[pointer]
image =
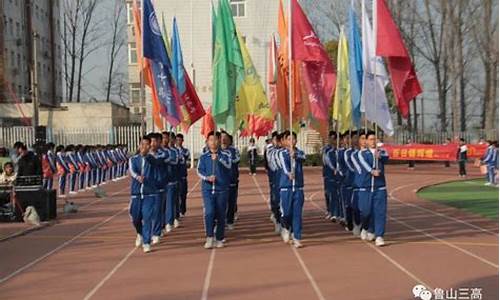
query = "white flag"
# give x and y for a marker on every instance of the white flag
(373, 98)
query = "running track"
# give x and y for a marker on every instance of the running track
(90, 255)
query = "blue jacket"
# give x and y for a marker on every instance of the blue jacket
(183, 159)
(329, 164)
(235, 161)
(490, 156)
(166, 162)
(325, 149)
(143, 166)
(366, 162)
(285, 164)
(349, 169)
(220, 168)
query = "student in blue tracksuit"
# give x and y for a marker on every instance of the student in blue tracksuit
(273, 174)
(330, 161)
(144, 194)
(226, 146)
(177, 177)
(291, 189)
(356, 141)
(185, 157)
(159, 162)
(91, 165)
(324, 152)
(51, 157)
(346, 188)
(79, 155)
(373, 191)
(62, 170)
(73, 166)
(214, 169)
(489, 160)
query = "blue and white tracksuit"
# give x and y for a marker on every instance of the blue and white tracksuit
(61, 160)
(324, 150)
(274, 177)
(332, 183)
(346, 187)
(144, 196)
(215, 195)
(73, 176)
(373, 192)
(183, 183)
(356, 182)
(490, 159)
(232, 201)
(48, 182)
(82, 174)
(291, 191)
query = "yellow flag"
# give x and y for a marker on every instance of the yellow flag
(342, 111)
(251, 100)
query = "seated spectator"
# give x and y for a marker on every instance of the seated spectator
(8, 176)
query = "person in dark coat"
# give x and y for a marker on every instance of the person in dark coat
(28, 163)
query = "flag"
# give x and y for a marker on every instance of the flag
(154, 49)
(227, 68)
(282, 72)
(145, 68)
(355, 67)
(252, 107)
(342, 102)
(314, 68)
(177, 61)
(165, 35)
(405, 84)
(208, 124)
(213, 27)
(272, 75)
(191, 104)
(373, 98)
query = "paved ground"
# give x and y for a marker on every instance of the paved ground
(91, 254)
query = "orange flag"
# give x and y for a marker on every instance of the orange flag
(145, 67)
(283, 68)
(208, 124)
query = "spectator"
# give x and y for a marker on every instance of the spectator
(411, 163)
(446, 143)
(462, 158)
(8, 176)
(252, 157)
(28, 163)
(4, 157)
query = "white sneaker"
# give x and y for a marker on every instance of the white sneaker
(333, 219)
(230, 227)
(370, 236)
(285, 235)
(146, 248)
(363, 235)
(297, 243)
(209, 243)
(328, 216)
(236, 216)
(138, 240)
(72, 193)
(176, 223)
(155, 240)
(168, 228)
(379, 241)
(181, 215)
(487, 183)
(356, 230)
(62, 196)
(277, 228)
(219, 244)
(272, 218)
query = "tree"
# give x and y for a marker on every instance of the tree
(117, 43)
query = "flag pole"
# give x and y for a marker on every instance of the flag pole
(290, 88)
(375, 21)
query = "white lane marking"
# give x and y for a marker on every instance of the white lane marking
(437, 213)
(121, 263)
(308, 274)
(208, 275)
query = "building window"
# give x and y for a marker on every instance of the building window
(12, 59)
(132, 53)
(11, 26)
(19, 61)
(238, 8)
(135, 93)
(18, 29)
(130, 13)
(136, 110)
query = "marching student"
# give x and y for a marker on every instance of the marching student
(49, 167)
(93, 173)
(252, 157)
(489, 160)
(373, 191)
(291, 189)
(171, 160)
(176, 176)
(62, 170)
(358, 142)
(144, 194)
(214, 169)
(346, 187)
(324, 152)
(462, 158)
(82, 167)
(73, 168)
(234, 154)
(185, 156)
(331, 186)
(274, 179)
(161, 173)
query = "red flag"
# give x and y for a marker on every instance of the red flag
(191, 102)
(316, 70)
(404, 79)
(272, 76)
(208, 124)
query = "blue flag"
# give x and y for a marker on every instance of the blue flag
(154, 49)
(177, 62)
(355, 67)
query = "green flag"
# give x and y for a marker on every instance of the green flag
(166, 38)
(227, 69)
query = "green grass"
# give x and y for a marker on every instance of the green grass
(470, 195)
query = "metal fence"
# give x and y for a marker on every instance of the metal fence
(435, 137)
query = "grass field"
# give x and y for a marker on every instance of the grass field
(470, 195)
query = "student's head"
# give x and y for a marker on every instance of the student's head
(154, 140)
(332, 137)
(180, 139)
(172, 139)
(23, 149)
(225, 139)
(371, 139)
(345, 138)
(212, 141)
(462, 141)
(145, 145)
(252, 141)
(165, 138)
(289, 139)
(354, 138)
(8, 168)
(362, 139)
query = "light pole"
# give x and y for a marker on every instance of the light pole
(34, 81)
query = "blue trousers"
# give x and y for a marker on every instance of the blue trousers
(214, 210)
(142, 211)
(347, 204)
(81, 180)
(170, 207)
(183, 189)
(334, 198)
(356, 215)
(159, 218)
(72, 181)
(231, 203)
(292, 203)
(327, 199)
(490, 176)
(373, 208)
(62, 184)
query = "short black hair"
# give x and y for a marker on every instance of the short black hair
(9, 163)
(331, 133)
(147, 137)
(210, 134)
(370, 132)
(274, 134)
(18, 144)
(180, 136)
(462, 139)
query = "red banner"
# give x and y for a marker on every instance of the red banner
(432, 152)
